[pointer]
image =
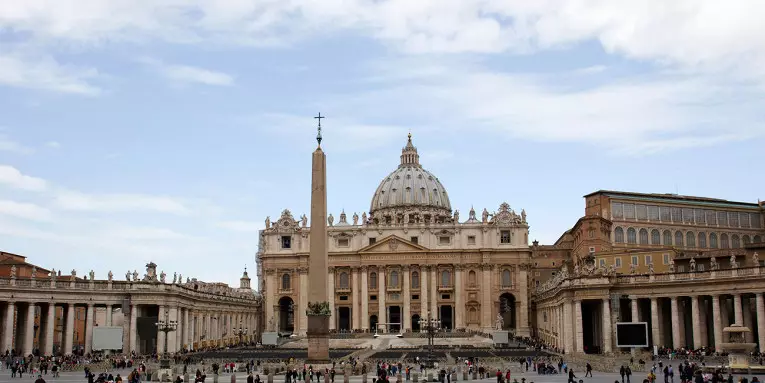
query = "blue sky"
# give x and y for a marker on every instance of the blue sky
(136, 131)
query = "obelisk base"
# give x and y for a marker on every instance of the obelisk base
(318, 339)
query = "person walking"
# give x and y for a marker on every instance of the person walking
(589, 370)
(628, 372)
(622, 372)
(571, 376)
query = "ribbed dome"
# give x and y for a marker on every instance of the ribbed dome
(411, 187)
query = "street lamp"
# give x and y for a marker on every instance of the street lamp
(431, 326)
(166, 326)
(240, 332)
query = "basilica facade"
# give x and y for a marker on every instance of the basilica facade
(409, 260)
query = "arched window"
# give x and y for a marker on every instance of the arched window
(394, 278)
(643, 236)
(735, 242)
(373, 281)
(619, 235)
(631, 235)
(678, 239)
(446, 278)
(655, 237)
(712, 240)
(344, 280)
(690, 239)
(415, 280)
(746, 239)
(702, 240)
(507, 280)
(757, 239)
(724, 241)
(471, 278)
(667, 238)
(286, 282)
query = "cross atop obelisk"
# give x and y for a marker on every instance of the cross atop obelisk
(318, 302)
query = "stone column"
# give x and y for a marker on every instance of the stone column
(301, 314)
(161, 334)
(578, 323)
(187, 330)
(717, 322)
(459, 304)
(434, 292)
(655, 325)
(568, 326)
(760, 320)
(407, 300)
(746, 304)
(134, 329)
(424, 308)
(29, 331)
(607, 332)
(676, 342)
(635, 311)
(109, 313)
(703, 322)
(364, 319)
(382, 310)
(89, 329)
(356, 299)
(49, 329)
(69, 332)
(696, 320)
(486, 306)
(737, 310)
(523, 315)
(8, 328)
(331, 297)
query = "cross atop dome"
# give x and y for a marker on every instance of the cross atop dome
(409, 156)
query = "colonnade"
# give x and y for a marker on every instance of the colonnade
(684, 321)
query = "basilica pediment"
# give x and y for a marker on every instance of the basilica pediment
(393, 244)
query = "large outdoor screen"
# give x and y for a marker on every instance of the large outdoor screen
(632, 334)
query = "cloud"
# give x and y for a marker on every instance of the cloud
(189, 74)
(12, 177)
(9, 145)
(145, 233)
(53, 144)
(42, 72)
(119, 203)
(24, 210)
(243, 226)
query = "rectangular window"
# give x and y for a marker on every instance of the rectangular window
(446, 296)
(343, 242)
(648, 259)
(711, 217)
(343, 297)
(665, 214)
(733, 219)
(415, 297)
(617, 211)
(677, 214)
(504, 236)
(642, 212)
(687, 215)
(666, 259)
(414, 240)
(722, 218)
(756, 220)
(372, 241)
(592, 249)
(471, 239)
(618, 262)
(635, 260)
(653, 213)
(629, 211)
(444, 240)
(602, 263)
(373, 297)
(286, 242)
(701, 218)
(744, 217)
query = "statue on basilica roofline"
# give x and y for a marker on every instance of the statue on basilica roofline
(733, 263)
(693, 264)
(175, 277)
(110, 276)
(303, 220)
(456, 216)
(364, 218)
(330, 219)
(127, 276)
(471, 214)
(355, 219)
(13, 271)
(523, 215)
(671, 265)
(713, 264)
(268, 223)
(755, 259)
(485, 216)
(162, 276)
(92, 275)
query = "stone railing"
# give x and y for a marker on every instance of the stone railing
(68, 284)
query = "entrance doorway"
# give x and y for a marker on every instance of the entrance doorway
(446, 317)
(286, 315)
(395, 317)
(344, 318)
(373, 323)
(416, 323)
(507, 311)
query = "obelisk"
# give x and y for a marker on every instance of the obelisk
(318, 306)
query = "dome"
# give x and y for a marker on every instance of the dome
(410, 188)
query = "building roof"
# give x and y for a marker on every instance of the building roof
(676, 198)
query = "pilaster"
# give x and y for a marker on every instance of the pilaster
(382, 309)
(607, 332)
(331, 296)
(676, 340)
(89, 328)
(407, 325)
(696, 321)
(459, 304)
(364, 299)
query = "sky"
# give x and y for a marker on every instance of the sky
(137, 130)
